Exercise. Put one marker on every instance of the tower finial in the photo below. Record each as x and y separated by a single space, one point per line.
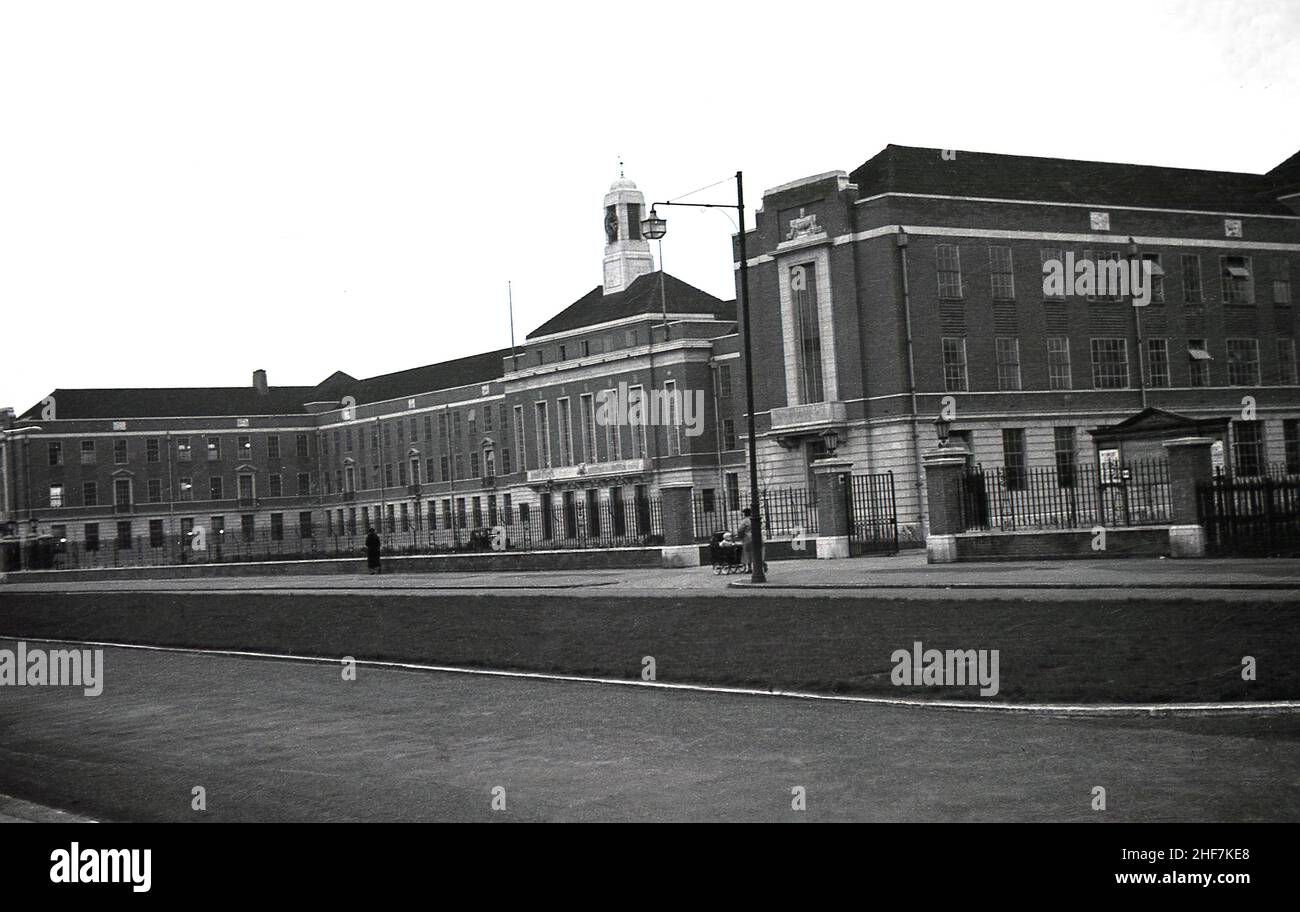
620 166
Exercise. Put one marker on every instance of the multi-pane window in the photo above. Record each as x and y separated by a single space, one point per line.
1058 363
954 365
1238 283
519 437
214 488
948 258
587 418
89 494
732 480
277 526
155 490
1281 281
304 483
1008 355
458 463
505 460
156 537
122 493
185 490
473 465
183 449
724 381
1063 439
1054 258
273 445
1013 458
245 446
151 449
728 433
55 453
1248 448
303 449
1291 444
1155 275
807 324
1157 363
1110 363
564 414
444 467
124 535
304 523
1107 265
673 418
543 421
1198 363
92 536
1001 275
613 435
214 449
1286 366
1243 362
1192 278
275 485
56 496
119 452
638 405
87 452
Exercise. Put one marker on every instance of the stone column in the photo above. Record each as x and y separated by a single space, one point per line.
679 548
944 469
833 517
1189 466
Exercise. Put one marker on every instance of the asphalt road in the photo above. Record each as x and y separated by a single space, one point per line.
280 740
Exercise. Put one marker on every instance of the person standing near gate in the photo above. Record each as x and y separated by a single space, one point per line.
372 551
745 534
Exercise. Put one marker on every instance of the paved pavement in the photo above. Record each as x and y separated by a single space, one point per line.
1135 578
273 740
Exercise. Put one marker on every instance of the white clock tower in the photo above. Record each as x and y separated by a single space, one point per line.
627 253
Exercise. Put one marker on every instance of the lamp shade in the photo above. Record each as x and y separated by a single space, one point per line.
942 427
654 227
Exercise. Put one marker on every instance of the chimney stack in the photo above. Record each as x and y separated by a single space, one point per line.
259 382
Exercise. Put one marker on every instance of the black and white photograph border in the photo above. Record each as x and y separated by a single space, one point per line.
362 460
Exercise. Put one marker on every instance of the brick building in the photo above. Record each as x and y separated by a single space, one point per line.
879 296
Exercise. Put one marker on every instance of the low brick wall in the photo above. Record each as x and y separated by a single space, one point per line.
1136 541
509 561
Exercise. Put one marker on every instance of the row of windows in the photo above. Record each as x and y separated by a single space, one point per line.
1110 363
184 451
157 532
407 515
402 430
482 464
584 348
1236 275
124 490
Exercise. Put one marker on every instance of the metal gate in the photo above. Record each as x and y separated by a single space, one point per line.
1251 516
873 515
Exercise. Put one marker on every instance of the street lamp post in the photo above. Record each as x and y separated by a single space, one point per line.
654 227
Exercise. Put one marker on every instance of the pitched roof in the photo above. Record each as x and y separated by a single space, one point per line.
175 402
446 374
641 297
906 169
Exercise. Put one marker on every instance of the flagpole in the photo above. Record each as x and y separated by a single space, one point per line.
510 298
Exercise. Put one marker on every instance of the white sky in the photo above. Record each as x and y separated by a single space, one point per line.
190 191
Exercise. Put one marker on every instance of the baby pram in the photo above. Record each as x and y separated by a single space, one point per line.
724 553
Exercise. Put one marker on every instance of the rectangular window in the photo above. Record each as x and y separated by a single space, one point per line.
1013 458
1054 258
186 491
444 465
473 464
954 365
948 258
273 446
478 512
520 437
1110 363
1058 363
1291 444
155 490
87 452
505 461
724 381
1157 363
543 435
1192 279
1063 439
122 493
1243 362
214 488
55 453
245 447
807 322
119 452
613 433
214 449
1286 366
507 510
304 523
151 449
587 419
388 474
673 417
1281 281
124 535
1001 274
732 481
1248 448
563 413
276 485
247 527
304 483
277 527
728 433
1198 363
303 447
1008 354
1238 283
156 533
637 403
56 496
1157 277
458 463
92 536
183 449
446 514
89 494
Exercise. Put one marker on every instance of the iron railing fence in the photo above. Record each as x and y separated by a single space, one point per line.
1069 496
787 513
1251 516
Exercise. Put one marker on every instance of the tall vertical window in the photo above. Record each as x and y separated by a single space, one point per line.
1063 439
954 365
1281 281
1291 444
729 433
1110 363
1243 362
613 435
151 450
214 488
245 447
519 439
1157 277
1198 363
1286 367
803 294
119 452
1248 448
303 446
1157 363
564 415
55 453
1013 458
1192 279
122 493
948 257
1001 275
89 494
587 419
56 496
724 381
273 445
1008 354
155 490
1238 283
88 452
543 435
1058 363
637 404
214 449
732 480
673 418
1054 258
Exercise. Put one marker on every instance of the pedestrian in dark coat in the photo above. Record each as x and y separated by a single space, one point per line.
372 551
